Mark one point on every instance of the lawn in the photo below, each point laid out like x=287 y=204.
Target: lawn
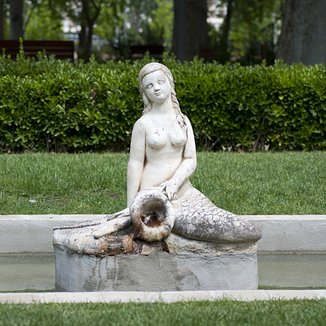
x=222 y=312
x=251 y=183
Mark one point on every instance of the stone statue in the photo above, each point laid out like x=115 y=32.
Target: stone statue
x=161 y=198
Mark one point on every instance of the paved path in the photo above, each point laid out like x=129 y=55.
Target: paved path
x=168 y=297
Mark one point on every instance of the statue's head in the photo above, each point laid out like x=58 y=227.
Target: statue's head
x=145 y=71
x=148 y=69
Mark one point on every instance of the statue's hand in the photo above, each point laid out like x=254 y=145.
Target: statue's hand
x=117 y=222
x=170 y=188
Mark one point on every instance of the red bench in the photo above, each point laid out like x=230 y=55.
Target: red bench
x=138 y=51
x=61 y=49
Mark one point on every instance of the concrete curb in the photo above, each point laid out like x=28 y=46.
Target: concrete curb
x=281 y=233
x=27 y=239
x=289 y=233
x=168 y=297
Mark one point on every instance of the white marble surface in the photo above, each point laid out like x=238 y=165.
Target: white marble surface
x=168 y=297
x=33 y=233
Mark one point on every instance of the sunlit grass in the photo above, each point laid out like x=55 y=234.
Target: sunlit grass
x=62 y=183
x=222 y=312
x=264 y=183
x=251 y=183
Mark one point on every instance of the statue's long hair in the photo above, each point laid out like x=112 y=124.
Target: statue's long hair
x=149 y=68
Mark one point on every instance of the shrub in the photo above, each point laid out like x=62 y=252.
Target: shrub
x=57 y=105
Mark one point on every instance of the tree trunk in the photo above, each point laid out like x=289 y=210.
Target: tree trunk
x=82 y=38
x=1 y=19
x=86 y=33
x=190 y=32
x=88 y=47
x=34 y=5
x=223 y=51
x=202 y=19
x=16 y=19
x=83 y=32
x=303 y=37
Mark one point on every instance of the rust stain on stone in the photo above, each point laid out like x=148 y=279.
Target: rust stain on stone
x=115 y=245
x=125 y=244
x=151 y=220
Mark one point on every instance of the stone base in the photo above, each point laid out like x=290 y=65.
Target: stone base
x=159 y=271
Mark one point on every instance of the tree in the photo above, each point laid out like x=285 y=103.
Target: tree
x=303 y=36
x=16 y=19
x=107 y=28
x=254 y=30
x=4 y=20
x=249 y=30
x=135 y=21
x=89 y=14
x=85 y=14
x=160 y=24
x=2 y=12
x=223 y=43
x=140 y=22
x=19 y=9
x=148 y=22
x=190 y=32
x=43 y=22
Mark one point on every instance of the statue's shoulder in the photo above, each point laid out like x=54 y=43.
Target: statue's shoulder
x=187 y=121
x=140 y=124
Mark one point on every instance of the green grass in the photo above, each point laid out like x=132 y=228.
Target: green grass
x=264 y=183
x=223 y=312
x=62 y=183
x=251 y=183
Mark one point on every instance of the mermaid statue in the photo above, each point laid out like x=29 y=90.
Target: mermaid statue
x=164 y=211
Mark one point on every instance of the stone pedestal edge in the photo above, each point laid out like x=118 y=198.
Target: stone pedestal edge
x=168 y=297
x=158 y=271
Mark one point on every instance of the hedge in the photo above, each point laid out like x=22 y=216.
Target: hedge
x=54 y=105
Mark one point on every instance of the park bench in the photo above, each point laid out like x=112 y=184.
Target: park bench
x=61 y=49
x=139 y=51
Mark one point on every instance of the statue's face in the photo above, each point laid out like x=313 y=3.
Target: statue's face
x=157 y=87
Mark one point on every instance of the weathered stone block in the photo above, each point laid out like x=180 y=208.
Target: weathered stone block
x=159 y=271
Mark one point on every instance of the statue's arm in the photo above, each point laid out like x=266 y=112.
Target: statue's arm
x=186 y=168
x=136 y=161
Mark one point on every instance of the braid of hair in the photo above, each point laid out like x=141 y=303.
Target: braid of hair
x=147 y=103
x=175 y=103
x=176 y=106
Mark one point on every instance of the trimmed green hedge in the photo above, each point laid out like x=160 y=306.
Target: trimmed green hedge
x=56 y=105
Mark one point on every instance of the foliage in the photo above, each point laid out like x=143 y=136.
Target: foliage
x=143 y=22
x=91 y=183
x=5 y=21
x=44 y=23
x=254 y=25
x=60 y=106
x=85 y=14
x=109 y=20
x=160 y=26
x=219 y=312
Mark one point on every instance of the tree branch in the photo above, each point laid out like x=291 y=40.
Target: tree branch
x=34 y=5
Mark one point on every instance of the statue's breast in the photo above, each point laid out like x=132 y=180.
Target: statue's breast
x=178 y=137
x=157 y=138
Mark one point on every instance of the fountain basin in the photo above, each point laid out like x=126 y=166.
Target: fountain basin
x=291 y=253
